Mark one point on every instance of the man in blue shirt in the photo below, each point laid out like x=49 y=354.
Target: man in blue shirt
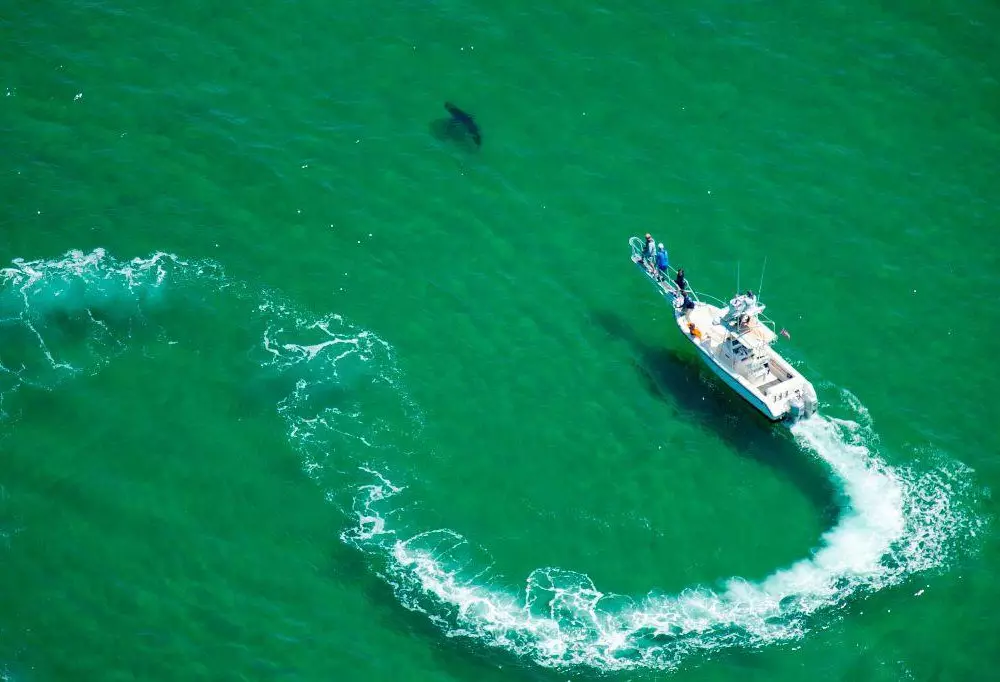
x=662 y=262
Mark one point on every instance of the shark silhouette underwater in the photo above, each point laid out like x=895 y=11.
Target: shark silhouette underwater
x=460 y=127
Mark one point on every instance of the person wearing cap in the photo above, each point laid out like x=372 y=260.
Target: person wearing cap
x=662 y=261
x=649 y=252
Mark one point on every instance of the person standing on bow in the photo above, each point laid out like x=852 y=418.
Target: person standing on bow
x=662 y=262
x=649 y=253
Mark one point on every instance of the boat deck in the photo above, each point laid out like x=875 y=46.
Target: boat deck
x=712 y=336
x=770 y=384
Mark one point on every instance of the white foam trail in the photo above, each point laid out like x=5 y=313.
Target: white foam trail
x=342 y=394
x=91 y=289
x=893 y=524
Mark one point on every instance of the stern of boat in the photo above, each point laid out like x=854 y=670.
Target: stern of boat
x=804 y=404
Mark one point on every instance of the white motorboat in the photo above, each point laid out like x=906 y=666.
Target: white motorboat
x=736 y=341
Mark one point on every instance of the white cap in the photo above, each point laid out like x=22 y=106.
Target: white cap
x=660 y=245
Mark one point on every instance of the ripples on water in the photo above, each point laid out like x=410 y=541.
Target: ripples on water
x=337 y=388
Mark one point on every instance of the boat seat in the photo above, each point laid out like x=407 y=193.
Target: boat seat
x=771 y=384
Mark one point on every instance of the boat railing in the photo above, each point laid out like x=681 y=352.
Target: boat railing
x=765 y=320
x=638 y=248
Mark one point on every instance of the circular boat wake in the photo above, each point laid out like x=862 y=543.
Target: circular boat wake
x=338 y=390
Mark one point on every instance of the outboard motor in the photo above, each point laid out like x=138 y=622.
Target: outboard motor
x=804 y=404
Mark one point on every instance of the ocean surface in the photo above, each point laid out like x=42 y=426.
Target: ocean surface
x=298 y=383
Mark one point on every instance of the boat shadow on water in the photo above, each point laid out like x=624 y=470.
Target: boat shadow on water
x=678 y=376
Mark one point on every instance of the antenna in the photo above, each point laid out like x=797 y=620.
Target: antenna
x=761 y=287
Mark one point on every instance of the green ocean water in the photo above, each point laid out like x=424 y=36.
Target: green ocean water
x=295 y=388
